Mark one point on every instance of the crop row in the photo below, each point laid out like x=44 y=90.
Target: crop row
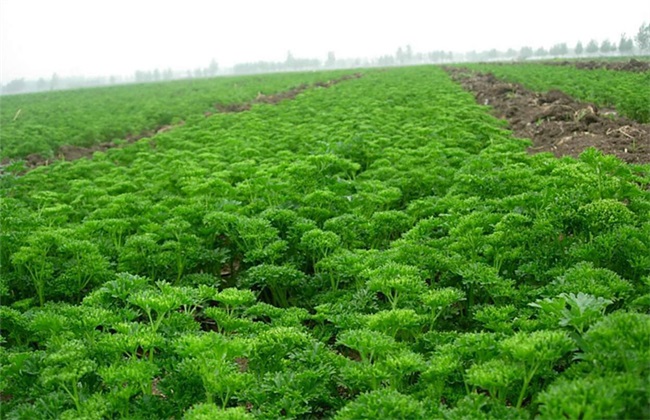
x=628 y=92
x=42 y=122
x=378 y=249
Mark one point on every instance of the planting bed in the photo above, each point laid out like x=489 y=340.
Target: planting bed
x=380 y=248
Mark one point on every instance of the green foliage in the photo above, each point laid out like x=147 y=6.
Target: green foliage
x=599 y=282
x=576 y=311
x=258 y=241
x=90 y=116
x=214 y=359
x=482 y=283
x=619 y=343
x=496 y=318
x=439 y=301
x=233 y=299
x=533 y=353
x=495 y=376
x=507 y=368
x=369 y=344
x=395 y=282
x=281 y=282
x=479 y=406
x=318 y=244
x=386 y=226
x=403 y=322
x=351 y=228
x=139 y=255
x=381 y=248
x=126 y=380
x=383 y=404
x=273 y=346
x=608 y=397
x=65 y=369
x=158 y=304
x=207 y=411
x=605 y=215
x=60 y=266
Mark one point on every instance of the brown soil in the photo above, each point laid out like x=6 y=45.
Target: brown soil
x=261 y=99
x=282 y=96
x=69 y=152
x=633 y=65
x=556 y=122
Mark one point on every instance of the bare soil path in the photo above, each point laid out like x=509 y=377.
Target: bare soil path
x=556 y=122
x=634 y=65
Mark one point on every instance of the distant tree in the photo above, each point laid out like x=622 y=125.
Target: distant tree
x=559 y=49
x=198 y=73
x=305 y=63
x=408 y=54
x=41 y=84
x=54 y=81
x=15 y=86
x=156 y=75
x=592 y=47
x=606 y=46
x=141 y=76
x=438 y=56
x=511 y=53
x=386 y=60
x=400 y=56
x=541 y=52
x=331 y=59
x=213 y=68
x=472 y=56
x=290 y=62
x=168 y=74
x=525 y=52
x=493 y=54
x=625 y=44
x=642 y=37
x=579 y=48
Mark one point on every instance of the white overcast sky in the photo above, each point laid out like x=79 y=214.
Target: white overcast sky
x=117 y=37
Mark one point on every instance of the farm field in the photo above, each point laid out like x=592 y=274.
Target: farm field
x=380 y=248
x=41 y=123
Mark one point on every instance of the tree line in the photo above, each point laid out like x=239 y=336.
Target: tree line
x=626 y=45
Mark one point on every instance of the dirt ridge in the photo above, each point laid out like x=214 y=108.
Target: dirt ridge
x=555 y=121
x=634 y=65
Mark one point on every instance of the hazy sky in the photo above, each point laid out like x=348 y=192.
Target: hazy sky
x=97 y=37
